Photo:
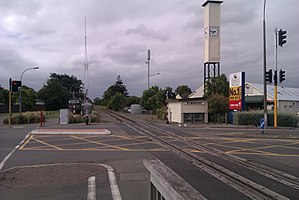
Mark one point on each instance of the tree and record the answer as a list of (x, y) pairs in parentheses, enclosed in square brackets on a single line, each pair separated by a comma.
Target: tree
[(217, 91), (56, 90), (117, 103), (29, 97), (132, 100), (218, 104), (217, 85), (184, 91), (118, 87), (153, 98)]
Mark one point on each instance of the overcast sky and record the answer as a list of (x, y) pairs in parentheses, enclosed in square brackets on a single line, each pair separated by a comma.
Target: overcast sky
[(50, 34)]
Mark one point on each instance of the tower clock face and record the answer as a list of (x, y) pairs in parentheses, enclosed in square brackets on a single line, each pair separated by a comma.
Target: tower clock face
[(214, 31)]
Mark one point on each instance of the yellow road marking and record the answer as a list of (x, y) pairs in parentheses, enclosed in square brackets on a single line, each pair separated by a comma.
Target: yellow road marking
[(30, 137), (45, 143), (91, 141)]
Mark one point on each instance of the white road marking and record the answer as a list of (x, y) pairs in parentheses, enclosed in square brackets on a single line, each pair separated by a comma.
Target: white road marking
[(113, 184), (91, 194), (111, 175), (10, 154)]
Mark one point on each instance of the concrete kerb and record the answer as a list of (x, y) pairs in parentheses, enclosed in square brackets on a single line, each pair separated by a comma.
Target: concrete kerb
[(170, 185), (71, 132)]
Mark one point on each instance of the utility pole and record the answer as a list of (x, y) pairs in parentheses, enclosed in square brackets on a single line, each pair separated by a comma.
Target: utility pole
[(9, 104), (148, 67), (265, 60), (275, 81)]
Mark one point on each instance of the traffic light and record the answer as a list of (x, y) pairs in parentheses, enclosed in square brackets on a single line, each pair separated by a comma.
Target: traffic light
[(15, 86), (282, 37), (282, 76), (269, 76)]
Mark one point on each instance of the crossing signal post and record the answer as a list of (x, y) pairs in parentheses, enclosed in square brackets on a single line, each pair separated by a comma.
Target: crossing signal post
[(15, 86), (269, 76), (282, 37)]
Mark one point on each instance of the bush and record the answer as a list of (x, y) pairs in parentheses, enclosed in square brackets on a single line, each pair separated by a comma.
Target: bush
[(162, 113), (24, 118), (81, 119), (284, 119)]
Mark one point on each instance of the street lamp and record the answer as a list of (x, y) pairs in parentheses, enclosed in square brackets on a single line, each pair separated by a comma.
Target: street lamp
[(264, 67), (20, 96)]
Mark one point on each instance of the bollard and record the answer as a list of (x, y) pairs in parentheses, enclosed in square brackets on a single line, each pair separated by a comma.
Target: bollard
[(262, 124)]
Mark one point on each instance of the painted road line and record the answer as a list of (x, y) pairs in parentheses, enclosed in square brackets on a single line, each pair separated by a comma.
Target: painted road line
[(111, 175), (91, 193), (10, 154), (71, 131), (94, 142), (47, 144), (113, 183)]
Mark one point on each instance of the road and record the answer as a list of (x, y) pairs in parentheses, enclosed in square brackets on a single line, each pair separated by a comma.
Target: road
[(60, 166)]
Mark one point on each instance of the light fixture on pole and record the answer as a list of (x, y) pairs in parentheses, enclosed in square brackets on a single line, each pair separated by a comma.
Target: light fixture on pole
[(20, 96), (264, 66), (148, 67)]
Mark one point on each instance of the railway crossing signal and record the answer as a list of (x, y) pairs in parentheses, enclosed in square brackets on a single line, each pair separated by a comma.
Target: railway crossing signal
[(15, 86)]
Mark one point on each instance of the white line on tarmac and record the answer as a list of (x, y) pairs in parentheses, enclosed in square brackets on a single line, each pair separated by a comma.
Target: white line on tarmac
[(91, 194), (113, 184), (111, 175), (10, 154)]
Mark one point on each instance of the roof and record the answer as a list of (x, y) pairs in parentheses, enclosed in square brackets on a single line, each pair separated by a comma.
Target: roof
[(208, 1), (283, 93), (256, 89)]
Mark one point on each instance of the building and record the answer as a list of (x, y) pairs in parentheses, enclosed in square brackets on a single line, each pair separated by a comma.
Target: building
[(190, 110), (287, 98)]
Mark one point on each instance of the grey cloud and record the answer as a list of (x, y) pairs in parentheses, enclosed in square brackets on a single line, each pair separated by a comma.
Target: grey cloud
[(146, 33)]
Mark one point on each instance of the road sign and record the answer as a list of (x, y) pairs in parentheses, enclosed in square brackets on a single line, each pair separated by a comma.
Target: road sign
[(73, 101)]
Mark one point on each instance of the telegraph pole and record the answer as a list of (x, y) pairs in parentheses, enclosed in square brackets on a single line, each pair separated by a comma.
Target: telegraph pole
[(264, 47), (275, 81)]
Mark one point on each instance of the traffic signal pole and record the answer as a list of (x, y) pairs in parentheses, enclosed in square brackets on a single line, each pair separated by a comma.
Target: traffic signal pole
[(9, 104), (275, 81), (264, 66)]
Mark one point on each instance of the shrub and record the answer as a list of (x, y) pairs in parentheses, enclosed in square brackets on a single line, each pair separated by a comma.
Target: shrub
[(161, 113), (284, 119), (24, 118)]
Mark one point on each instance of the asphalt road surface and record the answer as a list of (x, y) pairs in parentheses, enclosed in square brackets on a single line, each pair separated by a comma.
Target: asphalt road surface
[(61, 166)]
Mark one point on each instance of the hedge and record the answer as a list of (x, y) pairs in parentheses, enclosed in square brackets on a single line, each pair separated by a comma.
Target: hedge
[(284, 119), (24, 118)]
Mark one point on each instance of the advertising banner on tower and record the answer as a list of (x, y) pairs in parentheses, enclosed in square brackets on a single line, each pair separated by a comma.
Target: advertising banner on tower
[(236, 91)]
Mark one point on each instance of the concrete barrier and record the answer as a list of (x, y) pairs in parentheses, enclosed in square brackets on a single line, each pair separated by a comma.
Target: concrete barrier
[(166, 184)]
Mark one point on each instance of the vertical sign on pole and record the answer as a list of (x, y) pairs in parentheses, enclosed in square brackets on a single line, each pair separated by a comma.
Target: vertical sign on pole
[(237, 91)]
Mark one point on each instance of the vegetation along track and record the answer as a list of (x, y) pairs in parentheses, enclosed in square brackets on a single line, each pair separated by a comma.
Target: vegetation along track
[(238, 182)]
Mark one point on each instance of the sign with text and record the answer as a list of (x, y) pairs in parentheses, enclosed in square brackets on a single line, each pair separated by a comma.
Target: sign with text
[(236, 91)]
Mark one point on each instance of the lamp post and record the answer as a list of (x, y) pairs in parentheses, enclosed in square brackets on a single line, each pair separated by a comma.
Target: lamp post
[(148, 67), (20, 96), (264, 55)]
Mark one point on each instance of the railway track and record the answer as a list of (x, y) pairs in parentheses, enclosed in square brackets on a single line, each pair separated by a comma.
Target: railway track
[(242, 184)]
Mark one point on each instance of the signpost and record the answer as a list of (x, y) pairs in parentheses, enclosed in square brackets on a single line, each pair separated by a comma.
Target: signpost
[(237, 91)]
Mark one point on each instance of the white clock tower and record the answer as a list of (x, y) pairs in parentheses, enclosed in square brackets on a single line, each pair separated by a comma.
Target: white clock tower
[(212, 33)]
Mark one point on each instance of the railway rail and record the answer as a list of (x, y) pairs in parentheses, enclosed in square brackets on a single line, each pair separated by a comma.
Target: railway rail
[(244, 185)]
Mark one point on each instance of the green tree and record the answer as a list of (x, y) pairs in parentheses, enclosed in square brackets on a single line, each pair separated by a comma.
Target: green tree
[(218, 104), (217, 85), (132, 100), (217, 91), (117, 103), (56, 90), (29, 97), (153, 98), (118, 87), (184, 91)]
